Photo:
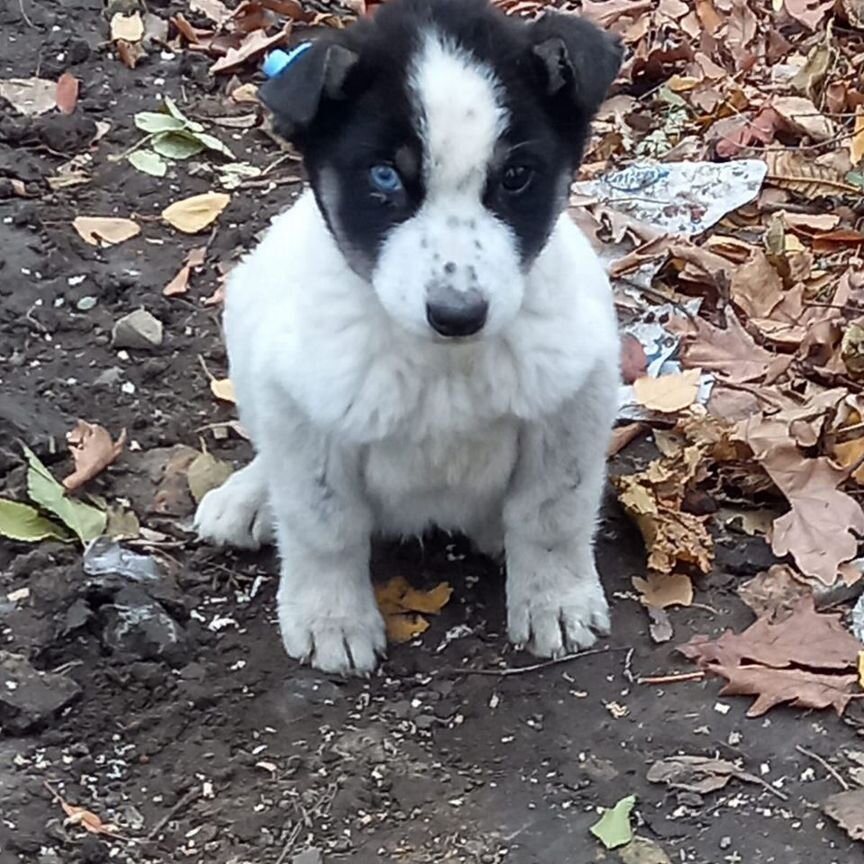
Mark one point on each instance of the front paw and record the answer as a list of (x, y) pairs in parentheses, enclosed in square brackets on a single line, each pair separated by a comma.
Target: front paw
[(556, 615), (346, 643)]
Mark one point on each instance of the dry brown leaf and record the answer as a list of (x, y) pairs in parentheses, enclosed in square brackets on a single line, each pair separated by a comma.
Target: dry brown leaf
[(847, 808), (622, 436), (105, 230), (92, 451), (731, 353), (698, 774), (253, 45), (215, 10), (856, 147), (660, 591), (206, 472), (67, 93), (757, 288), (180, 283), (668, 393), (790, 170), (771, 660), (810, 13), (801, 114), (130, 53), (169, 472), (194, 214), (129, 28), (820, 529), (400, 604), (775, 593), (82, 817)]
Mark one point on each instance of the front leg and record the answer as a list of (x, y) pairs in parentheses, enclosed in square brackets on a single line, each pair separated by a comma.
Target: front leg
[(555, 602), (328, 615)]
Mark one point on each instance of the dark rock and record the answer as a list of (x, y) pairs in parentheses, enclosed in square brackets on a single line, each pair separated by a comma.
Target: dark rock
[(30, 698), (136, 624)]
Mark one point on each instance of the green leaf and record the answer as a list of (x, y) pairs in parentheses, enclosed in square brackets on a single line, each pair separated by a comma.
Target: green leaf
[(177, 114), (211, 142), (154, 122), (855, 178), (86, 521), (613, 828), (26, 524), (177, 145), (149, 162)]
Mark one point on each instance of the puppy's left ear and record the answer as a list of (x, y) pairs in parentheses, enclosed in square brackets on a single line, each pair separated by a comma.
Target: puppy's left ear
[(577, 60)]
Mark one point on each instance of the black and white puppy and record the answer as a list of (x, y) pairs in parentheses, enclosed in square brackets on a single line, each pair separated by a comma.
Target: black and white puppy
[(424, 338)]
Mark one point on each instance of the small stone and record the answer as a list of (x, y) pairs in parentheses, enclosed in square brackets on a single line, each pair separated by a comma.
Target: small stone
[(136, 624), (30, 698), (85, 304), (138, 329), (725, 843)]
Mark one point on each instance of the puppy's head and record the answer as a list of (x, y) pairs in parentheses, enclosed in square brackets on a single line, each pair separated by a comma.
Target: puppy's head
[(440, 137)]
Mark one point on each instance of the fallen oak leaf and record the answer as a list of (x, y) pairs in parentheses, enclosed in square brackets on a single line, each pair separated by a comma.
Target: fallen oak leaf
[(799, 688), (180, 283), (105, 230), (92, 451), (698, 774), (400, 604), (404, 627)]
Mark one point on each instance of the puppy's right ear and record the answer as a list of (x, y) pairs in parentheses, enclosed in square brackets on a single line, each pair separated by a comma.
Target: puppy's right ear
[(313, 75)]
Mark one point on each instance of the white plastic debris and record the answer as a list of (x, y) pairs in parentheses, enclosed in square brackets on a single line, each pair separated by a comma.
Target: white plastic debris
[(683, 198), (105, 556), (661, 351), (858, 620)]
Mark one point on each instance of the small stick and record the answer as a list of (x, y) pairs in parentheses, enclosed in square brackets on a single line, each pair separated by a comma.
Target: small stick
[(185, 801), (832, 771), (672, 679), (289, 845), (534, 667)]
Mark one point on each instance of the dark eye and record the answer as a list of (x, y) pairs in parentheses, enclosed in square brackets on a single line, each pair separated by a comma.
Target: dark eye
[(385, 178), (516, 178)]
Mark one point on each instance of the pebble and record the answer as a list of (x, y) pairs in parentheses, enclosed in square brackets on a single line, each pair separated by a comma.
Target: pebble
[(30, 698), (139, 330)]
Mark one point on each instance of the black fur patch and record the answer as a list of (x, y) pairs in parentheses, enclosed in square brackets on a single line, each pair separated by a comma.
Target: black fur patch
[(349, 109)]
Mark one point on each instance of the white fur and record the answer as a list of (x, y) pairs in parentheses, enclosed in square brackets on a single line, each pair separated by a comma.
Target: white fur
[(461, 117), (361, 427)]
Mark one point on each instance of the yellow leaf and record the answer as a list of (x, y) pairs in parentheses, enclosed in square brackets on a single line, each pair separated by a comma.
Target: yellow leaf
[(104, 230), (861, 669), (663, 590), (129, 28), (194, 214), (668, 393), (404, 628), (223, 389), (857, 147), (399, 602)]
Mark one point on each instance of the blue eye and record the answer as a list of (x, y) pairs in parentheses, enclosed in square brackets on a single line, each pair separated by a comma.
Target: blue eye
[(385, 178)]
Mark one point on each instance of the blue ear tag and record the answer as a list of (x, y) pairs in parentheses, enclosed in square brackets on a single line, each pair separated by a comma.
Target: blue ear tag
[(278, 61)]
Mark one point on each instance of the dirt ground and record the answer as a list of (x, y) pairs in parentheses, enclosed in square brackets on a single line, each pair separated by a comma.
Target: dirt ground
[(223, 750)]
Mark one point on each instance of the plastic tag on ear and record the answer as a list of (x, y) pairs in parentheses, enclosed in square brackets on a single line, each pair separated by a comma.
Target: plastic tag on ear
[(278, 61)]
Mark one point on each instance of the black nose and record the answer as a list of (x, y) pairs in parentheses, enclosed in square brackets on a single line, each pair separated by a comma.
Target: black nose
[(457, 318)]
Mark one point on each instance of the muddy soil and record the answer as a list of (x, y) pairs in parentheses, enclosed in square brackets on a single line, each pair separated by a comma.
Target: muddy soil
[(194, 734)]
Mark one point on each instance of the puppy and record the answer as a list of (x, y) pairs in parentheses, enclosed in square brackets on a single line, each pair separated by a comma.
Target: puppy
[(425, 338)]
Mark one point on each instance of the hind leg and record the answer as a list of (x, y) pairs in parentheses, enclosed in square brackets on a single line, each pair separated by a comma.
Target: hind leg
[(238, 513)]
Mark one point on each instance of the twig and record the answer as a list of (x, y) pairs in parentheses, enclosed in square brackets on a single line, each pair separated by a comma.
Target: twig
[(628, 666), (672, 679), (817, 758), (289, 844), (534, 667), (24, 14), (182, 804)]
